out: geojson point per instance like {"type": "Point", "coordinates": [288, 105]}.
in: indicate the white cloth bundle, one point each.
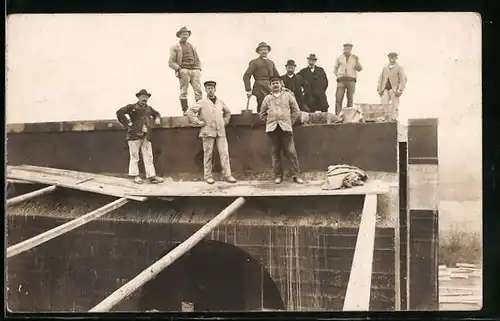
{"type": "Point", "coordinates": [344, 176]}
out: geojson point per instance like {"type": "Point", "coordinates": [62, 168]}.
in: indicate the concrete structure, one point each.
{"type": "Point", "coordinates": [281, 253]}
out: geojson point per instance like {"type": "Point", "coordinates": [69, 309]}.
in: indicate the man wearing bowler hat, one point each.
{"type": "Point", "coordinates": [280, 111]}
{"type": "Point", "coordinates": [138, 118]}
{"type": "Point", "coordinates": [261, 68]}
{"type": "Point", "coordinates": [185, 61]}
{"type": "Point", "coordinates": [317, 83]}
{"type": "Point", "coordinates": [391, 82]}
{"type": "Point", "coordinates": [296, 84]}
{"type": "Point", "coordinates": [346, 69]}
{"type": "Point", "coordinates": [213, 116]}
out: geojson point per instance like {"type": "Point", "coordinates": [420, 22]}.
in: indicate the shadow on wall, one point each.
{"type": "Point", "coordinates": [213, 276]}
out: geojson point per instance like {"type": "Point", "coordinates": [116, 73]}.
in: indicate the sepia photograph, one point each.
{"type": "Point", "coordinates": [243, 162]}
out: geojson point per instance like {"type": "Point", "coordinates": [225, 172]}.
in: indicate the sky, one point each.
{"type": "Point", "coordinates": [84, 67]}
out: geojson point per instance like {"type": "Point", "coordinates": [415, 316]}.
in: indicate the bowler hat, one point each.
{"type": "Point", "coordinates": [348, 45]}
{"type": "Point", "coordinates": [143, 92]}
{"type": "Point", "coordinates": [183, 29]}
{"type": "Point", "coordinates": [392, 54]}
{"type": "Point", "coordinates": [290, 62]}
{"type": "Point", "coordinates": [209, 83]}
{"type": "Point", "coordinates": [274, 78]}
{"type": "Point", "coordinates": [262, 44]}
{"type": "Point", "coordinates": [312, 57]}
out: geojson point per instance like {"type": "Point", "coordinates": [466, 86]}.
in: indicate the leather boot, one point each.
{"type": "Point", "coordinates": [184, 106]}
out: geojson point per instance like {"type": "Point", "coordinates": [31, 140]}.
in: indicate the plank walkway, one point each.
{"type": "Point", "coordinates": [122, 187]}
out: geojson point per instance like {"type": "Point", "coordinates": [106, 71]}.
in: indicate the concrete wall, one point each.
{"type": "Point", "coordinates": [100, 147]}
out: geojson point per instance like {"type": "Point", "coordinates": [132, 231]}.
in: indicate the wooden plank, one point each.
{"type": "Point", "coordinates": [28, 196]}
{"type": "Point", "coordinates": [358, 289]}
{"type": "Point", "coordinates": [18, 181]}
{"type": "Point", "coordinates": [255, 188]}
{"type": "Point", "coordinates": [64, 228]}
{"type": "Point", "coordinates": [71, 182]}
{"type": "Point", "coordinates": [153, 270]}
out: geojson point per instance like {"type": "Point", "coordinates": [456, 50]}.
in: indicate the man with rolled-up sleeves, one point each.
{"type": "Point", "coordinates": [280, 111]}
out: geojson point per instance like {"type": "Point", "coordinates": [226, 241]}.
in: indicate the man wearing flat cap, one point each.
{"type": "Point", "coordinates": [138, 118]}
{"type": "Point", "coordinates": [391, 82]}
{"type": "Point", "coordinates": [280, 111]}
{"type": "Point", "coordinates": [317, 84]}
{"type": "Point", "coordinates": [212, 115]}
{"type": "Point", "coordinates": [261, 68]}
{"type": "Point", "coordinates": [296, 84]}
{"type": "Point", "coordinates": [185, 61]}
{"type": "Point", "coordinates": [346, 70]}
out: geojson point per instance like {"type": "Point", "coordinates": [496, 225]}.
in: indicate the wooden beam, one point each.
{"type": "Point", "coordinates": [64, 228]}
{"type": "Point", "coordinates": [153, 270]}
{"type": "Point", "coordinates": [28, 196]}
{"type": "Point", "coordinates": [357, 297]}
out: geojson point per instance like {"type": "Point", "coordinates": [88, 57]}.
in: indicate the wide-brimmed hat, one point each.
{"type": "Point", "coordinates": [392, 54]}
{"type": "Point", "coordinates": [274, 78]}
{"type": "Point", "coordinates": [290, 62]}
{"type": "Point", "coordinates": [183, 29]}
{"type": "Point", "coordinates": [262, 44]}
{"type": "Point", "coordinates": [209, 83]}
{"type": "Point", "coordinates": [348, 45]}
{"type": "Point", "coordinates": [143, 92]}
{"type": "Point", "coordinates": [312, 57]}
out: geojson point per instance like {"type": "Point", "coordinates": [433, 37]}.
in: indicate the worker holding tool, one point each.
{"type": "Point", "coordinates": [212, 115]}
{"type": "Point", "coordinates": [280, 111]}
{"type": "Point", "coordinates": [138, 119]}
{"type": "Point", "coordinates": [261, 68]}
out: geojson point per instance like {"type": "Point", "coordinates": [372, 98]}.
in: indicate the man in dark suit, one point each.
{"type": "Point", "coordinates": [262, 69]}
{"type": "Point", "coordinates": [317, 83]}
{"type": "Point", "coordinates": [296, 84]}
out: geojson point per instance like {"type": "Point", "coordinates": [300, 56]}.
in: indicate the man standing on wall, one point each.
{"type": "Point", "coordinates": [392, 82]}
{"type": "Point", "coordinates": [346, 69]}
{"type": "Point", "coordinates": [296, 84]}
{"type": "Point", "coordinates": [261, 69]}
{"type": "Point", "coordinates": [185, 61]}
{"type": "Point", "coordinates": [280, 111]}
{"type": "Point", "coordinates": [212, 115]}
{"type": "Point", "coordinates": [138, 119]}
{"type": "Point", "coordinates": [317, 83]}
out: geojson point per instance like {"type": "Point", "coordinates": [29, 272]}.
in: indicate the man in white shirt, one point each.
{"type": "Point", "coordinates": [212, 115]}
{"type": "Point", "coordinates": [346, 70]}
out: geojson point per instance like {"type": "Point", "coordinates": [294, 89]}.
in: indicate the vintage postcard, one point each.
{"type": "Point", "coordinates": [243, 162]}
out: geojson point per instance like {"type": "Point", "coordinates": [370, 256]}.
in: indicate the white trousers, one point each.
{"type": "Point", "coordinates": [145, 148]}
{"type": "Point", "coordinates": [389, 97]}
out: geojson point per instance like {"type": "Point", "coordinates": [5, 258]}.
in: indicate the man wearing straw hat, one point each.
{"type": "Point", "coordinates": [185, 61]}
{"type": "Point", "coordinates": [213, 116]}
{"type": "Point", "coordinates": [391, 82]}
{"type": "Point", "coordinates": [138, 119]}
{"type": "Point", "coordinates": [346, 69]}
{"type": "Point", "coordinates": [261, 68]}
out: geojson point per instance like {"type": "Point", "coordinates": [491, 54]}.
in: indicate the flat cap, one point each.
{"type": "Point", "coordinates": [275, 78]}
{"type": "Point", "coordinates": [209, 83]}
{"type": "Point", "coordinates": [392, 54]}
{"type": "Point", "coordinates": [348, 45]}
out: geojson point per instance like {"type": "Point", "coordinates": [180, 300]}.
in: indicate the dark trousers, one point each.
{"type": "Point", "coordinates": [344, 86]}
{"type": "Point", "coordinates": [283, 141]}
{"type": "Point", "coordinates": [317, 102]}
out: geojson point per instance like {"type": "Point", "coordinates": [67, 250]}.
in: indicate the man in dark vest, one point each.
{"type": "Point", "coordinates": [346, 69]}
{"type": "Point", "coordinates": [261, 69]}
{"type": "Point", "coordinates": [296, 84]}
{"type": "Point", "coordinates": [185, 61]}
{"type": "Point", "coordinates": [317, 83]}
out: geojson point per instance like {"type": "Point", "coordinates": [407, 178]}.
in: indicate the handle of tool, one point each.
{"type": "Point", "coordinates": [248, 102]}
